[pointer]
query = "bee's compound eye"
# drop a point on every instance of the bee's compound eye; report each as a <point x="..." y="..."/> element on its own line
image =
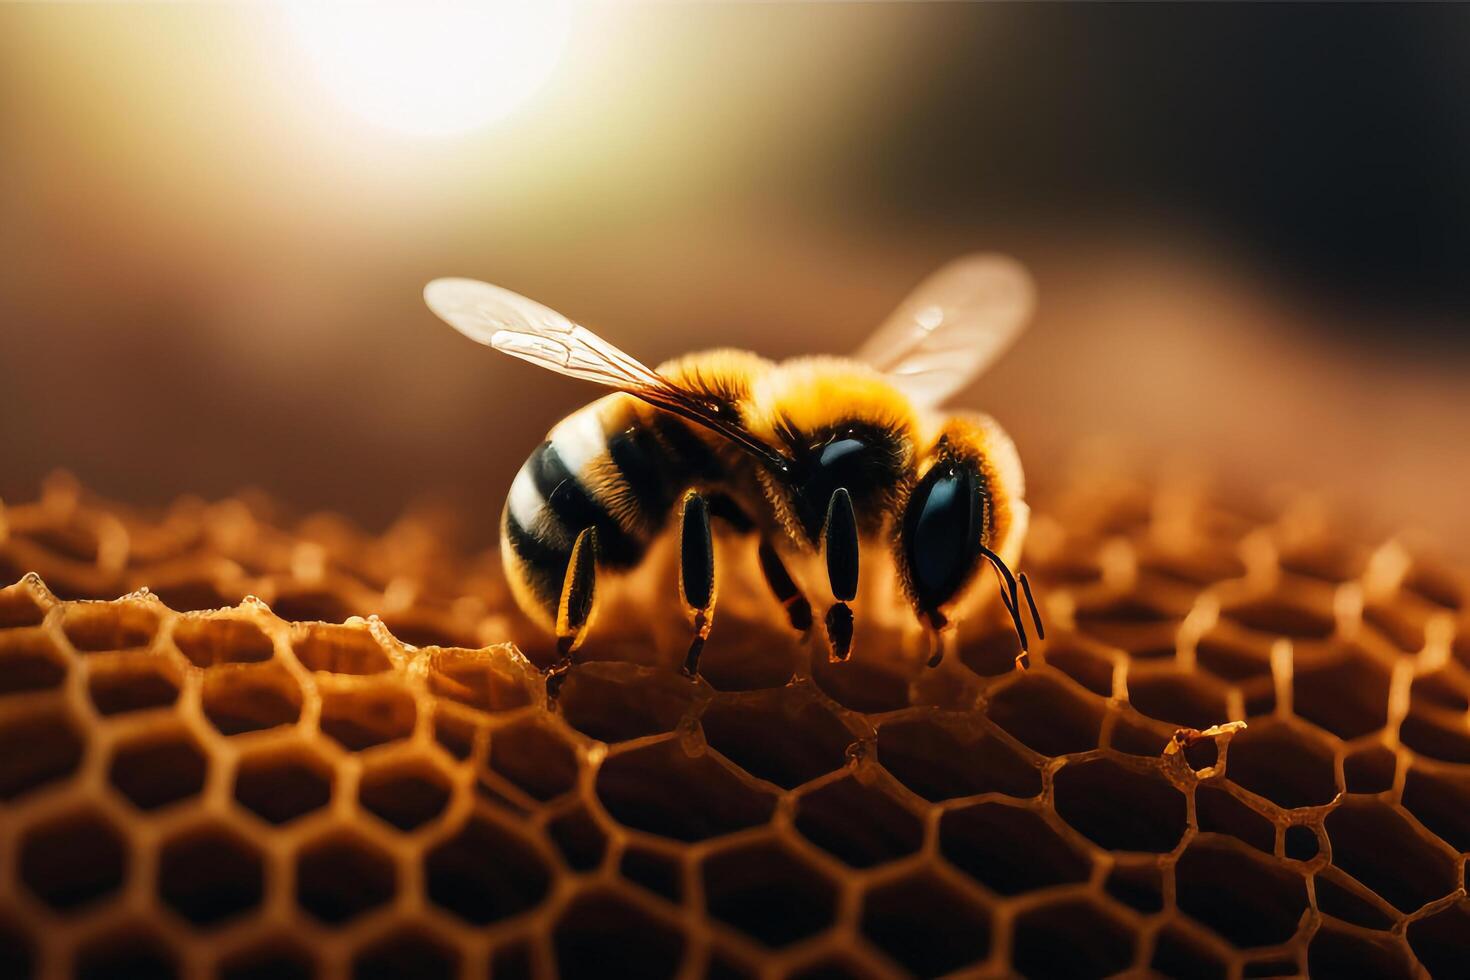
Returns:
<point x="941" y="533"/>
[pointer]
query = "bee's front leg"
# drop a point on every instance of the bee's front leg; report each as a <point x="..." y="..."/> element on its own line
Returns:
<point x="840" y="545"/>
<point x="574" y="611"/>
<point x="696" y="573"/>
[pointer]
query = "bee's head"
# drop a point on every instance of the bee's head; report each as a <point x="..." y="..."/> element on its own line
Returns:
<point x="964" y="510"/>
<point x="839" y="427"/>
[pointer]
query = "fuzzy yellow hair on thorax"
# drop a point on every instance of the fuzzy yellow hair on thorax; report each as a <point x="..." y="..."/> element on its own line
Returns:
<point x="814" y="394"/>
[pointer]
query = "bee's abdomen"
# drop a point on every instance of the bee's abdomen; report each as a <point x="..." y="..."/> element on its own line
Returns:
<point x="612" y="466"/>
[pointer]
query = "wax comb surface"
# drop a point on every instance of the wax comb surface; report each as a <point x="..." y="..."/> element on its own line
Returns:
<point x="280" y="788"/>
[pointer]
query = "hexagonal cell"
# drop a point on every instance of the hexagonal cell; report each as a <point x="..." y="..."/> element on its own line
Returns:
<point x="485" y="873"/>
<point x="1342" y="897"/>
<point x="209" y="874"/>
<point x="126" y="951"/>
<point x="1439" y="689"/>
<point x="656" y="871"/>
<point x="834" y="966"/>
<point x="1243" y="896"/>
<point x="282" y="783"/>
<point x="1438" y="940"/>
<point x="222" y="640"/>
<point x="341" y="876"/>
<point x="925" y="924"/>
<point x="1233" y="658"/>
<point x="992" y="653"/>
<point x="514" y="960"/>
<point x="362" y="716"/>
<point x="1178" y="954"/>
<point x="1281" y="616"/>
<point x="96" y="626"/>
<point x="1348" y="697"/>
<point x="1009" y="849"/>
<point x="602" y="931"/>
<point x="1403" y="629"/>
<point x="29" y="661"/>
<point x="1134" y="623"/>
<point x="861" y="684"/>
<point x="885" y="830"/>
<point x="1071" y="938"/>
<point x="73" y="859"/>
<point x="135" y="684"/>
<point x="1138" y="885"/>
<point x="406" y="793"/>
<point x="753" y="652"/>
<point x="781" y="738"/>
<point x="277" y="957"/>
<point x="1377" y="845"/>
<point x="1300" y="843"/>
<point x="1445" y="739"/>
<point x="407" y="951"/>
<point x="1441" y="802"/>
<point x="1190" y="700"/>
<point x="1370" y="770"/>
<point x="938" y="764"/>
<point x="1287" y="765"/>
<point x="485" y="679"/>
<point x="1136" y="735"/>
<point x="614" y="702"/>
<point x="158" y="768"/>
<point x="20" y="607"/>
<point x="251" y="697"/>
<point x="338" y="649"/>
<point x="534" y="756"/>
<point x="1337" y="952"/>
<point x="17" y="950"/>
<point x="456" y="733"/>
<point x="37" y="749"/>
<point x="311" y="606"/>
<point x="579" y="838"/>
<point x="1048" y="716"/>
<point x="660" y="789"/>
<point x="1120" y="808"/>
<point x="1218" y="811"/>
<point x="768" y="892"/>
<point x="1090" y="668"/>
<point x="193" y="592"/>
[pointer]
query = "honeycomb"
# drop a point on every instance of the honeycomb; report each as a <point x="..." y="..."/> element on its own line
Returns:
<point x="295" y="749"/>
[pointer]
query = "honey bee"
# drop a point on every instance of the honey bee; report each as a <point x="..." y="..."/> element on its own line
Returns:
<point x="825" y="458"/>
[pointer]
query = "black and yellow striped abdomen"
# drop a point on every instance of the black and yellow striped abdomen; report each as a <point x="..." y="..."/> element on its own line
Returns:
<point x="617" y="465"/>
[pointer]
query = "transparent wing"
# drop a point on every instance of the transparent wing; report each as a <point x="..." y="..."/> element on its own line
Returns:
<point x="523" y="328"/>
<point x="952" y="327"/>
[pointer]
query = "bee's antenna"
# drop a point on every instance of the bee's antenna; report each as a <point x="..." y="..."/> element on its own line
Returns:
<point x="1010" y="597"/>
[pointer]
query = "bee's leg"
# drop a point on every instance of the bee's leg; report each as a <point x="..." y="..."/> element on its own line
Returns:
<point x="798" y="610"/>
<point x="840" y="544"/>
<point x="696" y="572"/>
<point x="939" y="637"/>
<point x="574" y="611"/>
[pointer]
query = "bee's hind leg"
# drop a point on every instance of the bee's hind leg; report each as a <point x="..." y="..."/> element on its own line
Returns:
<point x="840" y="545"/>
<point x="696" y="572"/>
<point x="798" y="610"/>
<point x="574" y="611"/>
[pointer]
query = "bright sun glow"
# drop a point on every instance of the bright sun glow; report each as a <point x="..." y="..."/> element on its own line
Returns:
<point x="432" y="68"/>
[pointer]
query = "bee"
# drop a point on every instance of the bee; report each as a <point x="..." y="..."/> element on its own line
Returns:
<point x="824" y="458"/>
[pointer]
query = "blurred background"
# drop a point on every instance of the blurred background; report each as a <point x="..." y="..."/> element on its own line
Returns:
<point x="1250" y="227"/>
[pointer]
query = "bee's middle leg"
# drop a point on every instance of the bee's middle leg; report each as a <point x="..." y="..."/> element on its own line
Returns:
<point x="778" y="579"/>
<point x="840" y="545"/>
